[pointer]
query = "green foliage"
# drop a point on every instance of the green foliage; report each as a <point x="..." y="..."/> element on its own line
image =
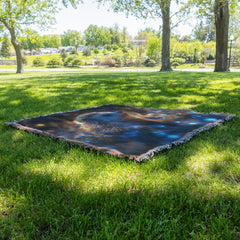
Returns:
<point x="205" y="33"/>
<point x="38" y="62"/>
<point x="115" y="35"/>
<point x="124" y="35"/>
<point x="178" y="60"/>
<point x="125" y="50"/>
<point x="71" y="38"/>
<point x="54" y="62"/>
<point x="97" y="62"/>
<point x="97" y="36"/>
<point x="140" y="51"/>
<point x="175" y="64"/>
<point x="73" y="61"/>
<point x="63" y="54"/>
<point x="17" y="14"/>
<point x="77" y="62"/>
<point x="138" y="62"/>
<point x="192" y="50"/>
<point x="109" y="62"/>
<point x="24" y="60"/>
<point x="68" y="60"/>
<point x="154" y="48"/>
<point x="150" y="62"/>
<point x="51" y="41"/>
<point x="119" y="60"/>
<point x="86" y="52"/>
<point x="5" y="49"/>
<point x="115" y="47"/>
<point x="145" y="35"/>
<point x="118" y="52"/>
<point x="105" y="51"/>
<point x="109" y="47"/>
<point x="234" y="25"/>
<point x="31" y="40"/>
<point x="74" y="51"/>
<point x="96" y="50"/>
<point x="126" y="59"/>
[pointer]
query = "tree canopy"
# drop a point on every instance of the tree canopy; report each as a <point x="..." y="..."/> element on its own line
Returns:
<point x="145" y="9"/>
<point x="97" y="36"/>
<point x="17" y="15"/>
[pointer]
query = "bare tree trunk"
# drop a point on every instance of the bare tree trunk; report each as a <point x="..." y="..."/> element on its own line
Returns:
<point x="221" y="12"/>
<point x="165" y="8"/>
<point x="17" y="48"/>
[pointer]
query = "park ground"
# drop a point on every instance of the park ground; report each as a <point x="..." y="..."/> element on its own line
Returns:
<point x="52" y="190"/>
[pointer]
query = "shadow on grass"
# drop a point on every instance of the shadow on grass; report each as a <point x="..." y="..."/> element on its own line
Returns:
<point x="43" y="206"/>
<point x="38" y="95"/>
<point x="110" y="198"/>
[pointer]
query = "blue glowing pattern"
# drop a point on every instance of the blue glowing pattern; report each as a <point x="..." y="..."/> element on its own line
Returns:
<point x="123" y="130"/>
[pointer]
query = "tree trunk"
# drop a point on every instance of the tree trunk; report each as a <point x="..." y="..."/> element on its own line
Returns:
<point x="17" y="48"/>
<point x="221" y="12"/>
<point x="165" y="8"/>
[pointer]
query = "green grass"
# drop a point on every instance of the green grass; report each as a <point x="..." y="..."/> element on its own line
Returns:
<point x="52" y="190"/>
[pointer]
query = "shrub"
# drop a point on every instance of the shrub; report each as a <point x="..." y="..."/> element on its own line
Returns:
<point x="68" y="60"/>
<point x="63" y="54"/>
<point x="138" y="62"/>
<point x="126" y="59"/>
<point x="150" y="62"/>
<point x="109" y="61"/>
<point x="74" y="51"/>
<point x="38" y="62"/>
<point x="125" y="50"/>
<point x="73" y="61"/>
<point x="118" y="52"/>
<point x="96" y="50"/>
<point x="178" y="60"/>
<point x="115" y="46"/>
<point x="203" y="59"/>
<point x="109" y="48"/>
<point x="76" y="62"/>
<point x="105" y="52"/>
<point x="119" y="60"/>
<point x="175" y="64"/>
<point x="54" y="62"/>
<point x="86" y="52"/>
<point x="97" y="62"/>
<point x="24" y="60"/>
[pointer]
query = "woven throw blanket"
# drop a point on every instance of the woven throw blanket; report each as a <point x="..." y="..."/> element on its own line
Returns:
<point x="125" y="131"/>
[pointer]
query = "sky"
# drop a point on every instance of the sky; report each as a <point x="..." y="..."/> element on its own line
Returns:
<point x="88" y="13"/>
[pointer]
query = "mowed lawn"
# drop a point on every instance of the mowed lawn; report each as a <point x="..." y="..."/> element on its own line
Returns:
<point x="53" y="190"/>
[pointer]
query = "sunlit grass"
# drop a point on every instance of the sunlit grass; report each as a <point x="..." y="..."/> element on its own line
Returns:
<point x="52" y="190"/>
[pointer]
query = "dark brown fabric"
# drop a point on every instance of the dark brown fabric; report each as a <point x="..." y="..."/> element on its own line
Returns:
<point x="137" y="133"/>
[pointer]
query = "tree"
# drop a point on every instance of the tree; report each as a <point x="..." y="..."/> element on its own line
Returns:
<point x="31" y="41"/>
<point x="15" y="15"/>
<point x="5" y="49"/>
<point x="221" y="10"/>
<point x="51" y="41"/>
<point x="234" y="25"/>
<point x="124" y="35"/>
<point x="97" y="36"/>
<point x="205" y="32"/>
<point x="144" y="9"/>
<point x="115" y="35"/>
<point x="144" y="35"/>
<point x="72" y="38"/>
<point x="154" y="48"/>
<point x="165" y="9"/>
